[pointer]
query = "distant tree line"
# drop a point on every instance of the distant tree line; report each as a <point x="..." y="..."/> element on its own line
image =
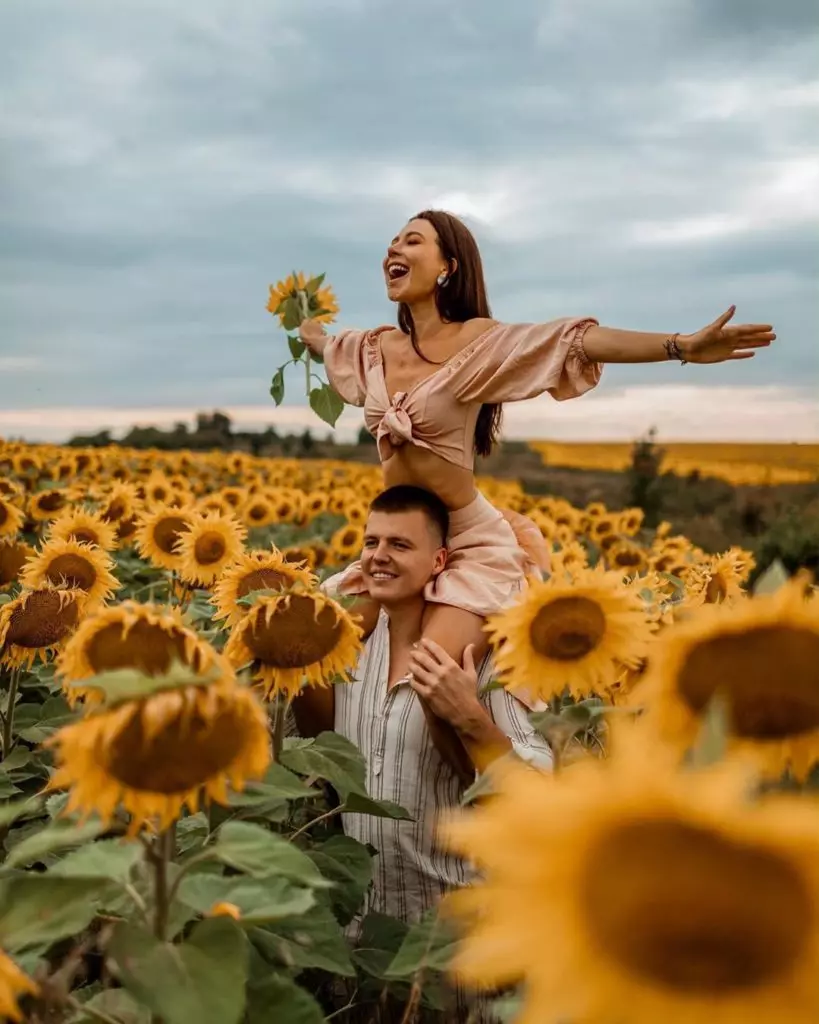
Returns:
<point x="215" y="430"/>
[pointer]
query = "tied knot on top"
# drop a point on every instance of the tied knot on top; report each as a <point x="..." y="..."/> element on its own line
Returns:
<point x="396" y="425"/>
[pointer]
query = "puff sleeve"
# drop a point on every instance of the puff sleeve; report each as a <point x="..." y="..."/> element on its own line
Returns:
<point x="346" y="358"/>
<point x="512" y="362"/>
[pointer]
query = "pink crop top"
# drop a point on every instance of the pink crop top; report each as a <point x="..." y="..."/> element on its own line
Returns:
<point x="506" y="363"/>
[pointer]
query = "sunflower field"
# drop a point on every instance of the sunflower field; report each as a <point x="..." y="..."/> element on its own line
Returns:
<point x="170" y="848"/>
<point x="738" y="464"/>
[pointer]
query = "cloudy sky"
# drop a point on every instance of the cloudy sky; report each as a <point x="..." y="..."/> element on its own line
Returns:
<point x="647" y="162"/>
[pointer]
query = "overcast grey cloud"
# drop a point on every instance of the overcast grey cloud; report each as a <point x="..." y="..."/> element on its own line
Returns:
<point x="648" y="163"/>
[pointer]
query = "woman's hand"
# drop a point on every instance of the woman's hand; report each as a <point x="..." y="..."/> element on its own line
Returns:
<point x="717" y="342"/>
<point x="313" y="335"/>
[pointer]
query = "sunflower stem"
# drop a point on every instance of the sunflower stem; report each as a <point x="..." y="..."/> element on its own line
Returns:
<point x="279" y="716"/>
<point x="8" y="722"/>
<point x="162" y="850"/>
<point x="307" y="373"/>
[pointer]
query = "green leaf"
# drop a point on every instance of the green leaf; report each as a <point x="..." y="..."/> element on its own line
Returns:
<point x="18" y="757"/>
<point x="355" y="803"/>
<point x="115" y="1003"/>
<point x="314" y="284"/>
<point x="11" y="812"/>
<point x="36" y="722"/>
<point x="258" y="852"/>
<point x="259" y="900"/>
<point x="326" y="404"/>
<point x="284" y="783"/>
<point x="39" y="908"/>
<point x="59" y="835"/>
<point x="296" y="346"/>
<point x="277" y="386"/>
<point x="712" y="740"/>
<point x="7" y="787"/>
<point x="279" y="1000"/>
<point x="290" y="313"/>
<point x="313" y="939"/>
<point x="347" y="863"/>
<point x="124" y="684"/>
<point x="428" y="945"/>
<point x="380" y="939"/>
<point x="201" y="979"/>
<point x="107" y="858"/>
<point x="772" y="579"/>
<point x="331" y="757"/>
<point x="191" y="832"/>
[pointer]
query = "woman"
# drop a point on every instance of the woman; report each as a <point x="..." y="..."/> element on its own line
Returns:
<point x="432" y="391"/>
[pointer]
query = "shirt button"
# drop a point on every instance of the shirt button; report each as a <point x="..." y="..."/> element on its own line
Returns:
<point x="378" y="763"/>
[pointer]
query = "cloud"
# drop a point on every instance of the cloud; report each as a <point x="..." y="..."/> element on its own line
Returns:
<point x="649" y="163"/>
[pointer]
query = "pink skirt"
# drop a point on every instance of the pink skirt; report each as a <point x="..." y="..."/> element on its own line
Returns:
<point x="492" y="553"/>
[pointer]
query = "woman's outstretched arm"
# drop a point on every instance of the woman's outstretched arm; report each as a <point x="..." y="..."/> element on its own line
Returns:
<point x="715" y="343"/>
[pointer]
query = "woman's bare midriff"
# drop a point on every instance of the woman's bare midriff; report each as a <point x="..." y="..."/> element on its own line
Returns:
<point x="454" y="485"/>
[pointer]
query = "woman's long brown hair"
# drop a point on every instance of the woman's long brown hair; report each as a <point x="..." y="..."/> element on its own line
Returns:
<point x="463" y="298"/>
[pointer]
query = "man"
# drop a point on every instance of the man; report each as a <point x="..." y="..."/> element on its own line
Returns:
<point x="402" y="687"/>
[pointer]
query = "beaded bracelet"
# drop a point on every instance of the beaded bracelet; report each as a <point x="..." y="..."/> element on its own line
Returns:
<point x="673" y="350"/>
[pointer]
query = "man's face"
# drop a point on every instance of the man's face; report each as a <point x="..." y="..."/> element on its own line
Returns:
<point x="401" y="554"/>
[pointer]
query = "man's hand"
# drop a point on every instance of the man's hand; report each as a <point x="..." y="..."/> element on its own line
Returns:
<point x="451" y="691"/>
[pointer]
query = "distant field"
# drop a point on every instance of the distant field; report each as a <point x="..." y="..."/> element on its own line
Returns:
<point x="736" y="463"/>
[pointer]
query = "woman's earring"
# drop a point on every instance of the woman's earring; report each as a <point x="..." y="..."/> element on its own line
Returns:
<point x="442" y="280"/>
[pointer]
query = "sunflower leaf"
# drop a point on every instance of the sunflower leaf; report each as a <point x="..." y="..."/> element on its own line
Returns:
<point x="59" y="835"/>
<point x="331" y="757"/>
<point x="713" y="736"/>
<point x="359" y="803"/>
<point x="260" y="900"/>
<point x="107" y="858"/>
<point x="38" y="908"/>
<point x="258" y="852"/>
<point x="313" y="939"/>
<point x="290" y="312"/>
<point x="775" y="576"/>
<point x="349" y="864"/>
<point x="296" y="346"/>
<point x="326" y="404"/>
<point x="201" y="979"/>
<point x="314" y="284"/>
<point x="428" y="945"/>
<point x="116" y="1003"/>
<point x="277" y="386"/>
<point x="125" y="684"/>
<point x="278" y="998"/>
<point x="36" y="722"/>
<point x="25" y="806"/>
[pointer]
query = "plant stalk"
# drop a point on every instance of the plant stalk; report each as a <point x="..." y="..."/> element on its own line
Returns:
<point x="8" y="723"/>
<point x="279" y="717"/>
<point x="162" y="904"/>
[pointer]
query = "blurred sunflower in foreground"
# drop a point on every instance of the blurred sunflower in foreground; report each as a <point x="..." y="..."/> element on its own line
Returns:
<point x="154" y="751"/>
<point x="760" y="656"/>
<point x="576" y="633"/>
<point x="13" y="984"/>
<point x="288" y="299"/>
<point x="146" y="638"/>
<point x="657" y="895"/>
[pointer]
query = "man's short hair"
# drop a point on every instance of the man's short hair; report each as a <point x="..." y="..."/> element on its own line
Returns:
<point x="406" y="498"/>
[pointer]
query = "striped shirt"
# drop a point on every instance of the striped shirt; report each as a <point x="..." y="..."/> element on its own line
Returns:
<point x="412" y="871"/>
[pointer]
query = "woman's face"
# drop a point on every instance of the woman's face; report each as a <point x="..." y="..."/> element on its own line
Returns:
<point x="413" y="263"/>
